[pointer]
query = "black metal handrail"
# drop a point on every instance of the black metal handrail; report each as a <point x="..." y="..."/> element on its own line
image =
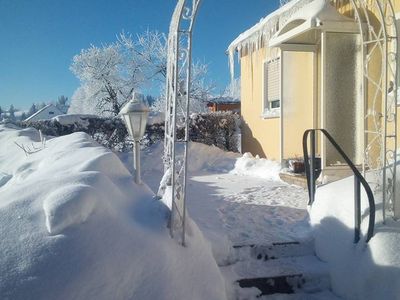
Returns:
<point x="310" y="168"/>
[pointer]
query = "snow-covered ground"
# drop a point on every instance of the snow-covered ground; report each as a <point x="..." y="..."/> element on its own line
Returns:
<point x="236" y="201"/>
<point x="73" y="225"/>
<point x="363" y="270"/>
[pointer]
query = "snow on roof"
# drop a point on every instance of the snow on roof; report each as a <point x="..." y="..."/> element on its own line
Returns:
<point x="224" y="99"/>
<point x="41" y="110"/>
<point x="319" y="13"/>
<point x="70" y="119"/>
<point x="257" y="36"/>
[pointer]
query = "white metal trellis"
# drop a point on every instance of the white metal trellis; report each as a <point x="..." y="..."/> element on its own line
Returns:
<point x="379" y="38"/>
<point x="178" y="86"/>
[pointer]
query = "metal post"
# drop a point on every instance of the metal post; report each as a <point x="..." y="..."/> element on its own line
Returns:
<point x="357" y="209"/>
<point x="187" y="112"/>
<point x="136" y="162"/>
<point x="312" y="166"/>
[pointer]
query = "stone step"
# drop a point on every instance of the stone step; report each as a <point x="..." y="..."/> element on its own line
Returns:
<point x="272" y="285"/>
<point x="274" y="251"/>
<point x="286" y="275"/>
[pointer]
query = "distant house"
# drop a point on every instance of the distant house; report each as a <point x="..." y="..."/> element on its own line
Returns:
<point x="224" y="104"/>
<point x="46" y="113"/>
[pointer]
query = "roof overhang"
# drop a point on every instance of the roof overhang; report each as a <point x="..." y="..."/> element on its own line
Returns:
<point x="317" y="15"/>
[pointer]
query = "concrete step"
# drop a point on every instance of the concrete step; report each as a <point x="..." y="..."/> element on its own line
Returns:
<point x="279" y="268"/>
<point x="274" y="251"/>
<point x="305" y="274"/>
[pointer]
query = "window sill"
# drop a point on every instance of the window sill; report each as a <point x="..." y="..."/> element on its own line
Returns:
<point x="271" y="114"/>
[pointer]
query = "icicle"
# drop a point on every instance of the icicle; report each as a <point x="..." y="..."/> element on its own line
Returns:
<point x="231" y="53"/>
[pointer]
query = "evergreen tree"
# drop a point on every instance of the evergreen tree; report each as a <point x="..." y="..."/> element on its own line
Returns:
<point x="32" y="110"/>
<point x="61" y="104"/>
<point x="11" y="112"/>
<point x="40" y="105"/>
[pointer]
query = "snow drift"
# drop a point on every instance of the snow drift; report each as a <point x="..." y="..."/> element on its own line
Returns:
<point x="73" y="225"/>
<point x="358" y="271"/>
<point x="248" y="165"/>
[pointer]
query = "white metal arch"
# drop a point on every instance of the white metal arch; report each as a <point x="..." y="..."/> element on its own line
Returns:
<point x="379" y="38"/>
<point x="178" y="88"/>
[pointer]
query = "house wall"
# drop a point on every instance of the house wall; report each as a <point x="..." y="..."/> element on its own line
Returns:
<point x="46" y="114"/>
<point x="260" y="136"/>
<point x="298" y="105"/>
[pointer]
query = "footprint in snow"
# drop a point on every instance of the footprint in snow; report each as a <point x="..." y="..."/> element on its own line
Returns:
<point x="4" y="178"/>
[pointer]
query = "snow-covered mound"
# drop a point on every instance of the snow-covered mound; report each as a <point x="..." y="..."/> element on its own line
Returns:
<point x="201" y="157"/>
<point x="257" y="167"/>
<point x="73" y="225"/>
<point x="70" y="119"/>
<point x="358" y="271"/>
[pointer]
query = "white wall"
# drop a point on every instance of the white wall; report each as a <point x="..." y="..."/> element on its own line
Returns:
<point x="46" y="114"/>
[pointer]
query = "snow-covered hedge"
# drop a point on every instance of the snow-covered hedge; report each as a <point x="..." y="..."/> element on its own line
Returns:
<point x="219" y="129"/>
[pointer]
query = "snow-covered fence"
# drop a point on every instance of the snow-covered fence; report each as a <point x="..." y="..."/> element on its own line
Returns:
<point x="219" y="129"/>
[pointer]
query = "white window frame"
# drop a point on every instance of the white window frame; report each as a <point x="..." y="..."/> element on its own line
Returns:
<point x="267" y="110"/>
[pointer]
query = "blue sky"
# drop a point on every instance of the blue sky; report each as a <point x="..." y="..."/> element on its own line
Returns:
<point x="40" y="37"/>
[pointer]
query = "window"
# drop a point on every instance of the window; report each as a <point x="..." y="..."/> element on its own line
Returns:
<point x="272" y="87"/>
<point x="51" y="112"/>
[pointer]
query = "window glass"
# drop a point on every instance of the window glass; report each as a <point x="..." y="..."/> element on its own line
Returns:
<point x="272" y="75"/>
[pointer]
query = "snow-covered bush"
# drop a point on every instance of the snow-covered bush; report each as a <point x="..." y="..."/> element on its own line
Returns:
<point x="109" y="132"/>
<point x="218" y="129"/>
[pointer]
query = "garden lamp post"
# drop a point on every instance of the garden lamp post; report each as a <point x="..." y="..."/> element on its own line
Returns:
<point x="135" y="113"/>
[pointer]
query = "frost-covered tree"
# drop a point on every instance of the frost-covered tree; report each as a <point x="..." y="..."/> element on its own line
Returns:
<point x="62" y="103"/>
<point x="151" y="50"/>
<point x="233" y="89"/>
<point x="108" y="76"/>
<point x="1" y="113"/>
<point x="11" y="113"/>
<point x="84" y="102"/>
<point x="283" y="2"/>
<point x="41" y="105"/>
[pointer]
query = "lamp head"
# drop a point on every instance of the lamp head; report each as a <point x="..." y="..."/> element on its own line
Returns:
<point x="135" y="114"/>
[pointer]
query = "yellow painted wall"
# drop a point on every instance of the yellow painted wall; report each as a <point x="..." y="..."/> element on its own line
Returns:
<point x="259" y="136"/>
<point x="298" y="100"/>
<point x="262" y="136"/>
<point x="396" y="4"/>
